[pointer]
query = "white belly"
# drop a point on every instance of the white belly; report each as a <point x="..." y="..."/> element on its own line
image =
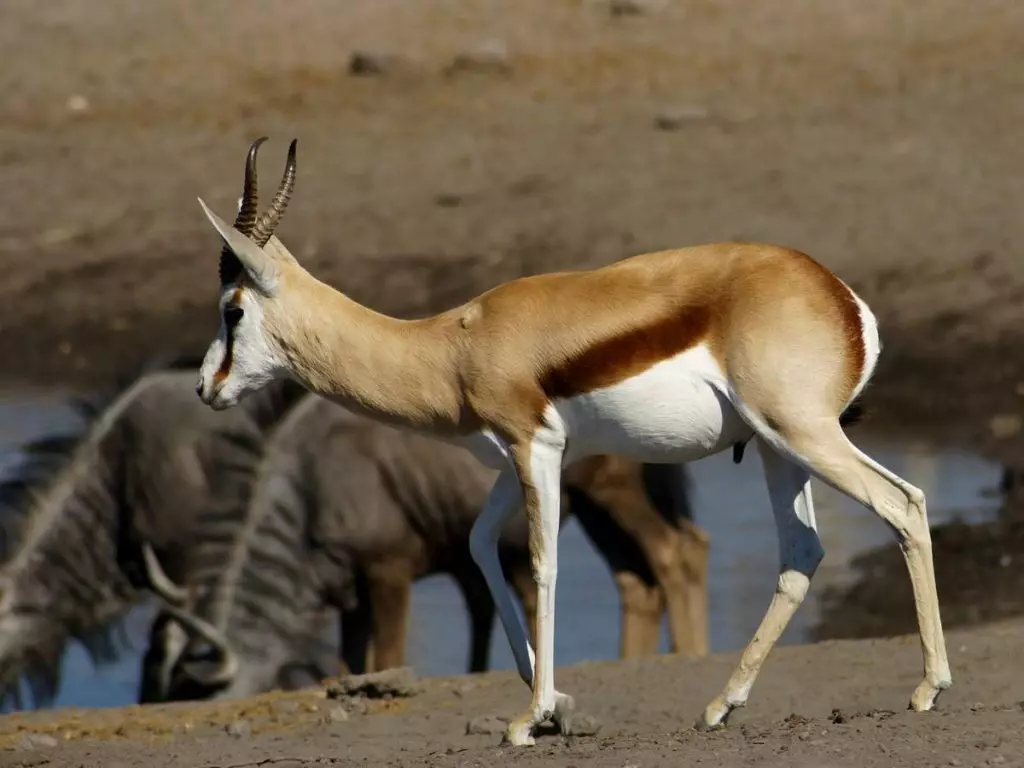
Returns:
<point x="674" y="412"/>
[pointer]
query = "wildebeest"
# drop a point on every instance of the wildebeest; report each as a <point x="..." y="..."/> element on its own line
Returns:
<point x="79" y="506"/>
<point x="348" y="512"/>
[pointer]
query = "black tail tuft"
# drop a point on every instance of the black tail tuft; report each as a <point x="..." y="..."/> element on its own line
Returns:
<point x="852" y="415"/>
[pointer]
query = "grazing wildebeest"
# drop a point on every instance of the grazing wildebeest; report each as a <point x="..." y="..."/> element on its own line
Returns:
<point x="349" y="512"/>
<point x="78" y="508"/>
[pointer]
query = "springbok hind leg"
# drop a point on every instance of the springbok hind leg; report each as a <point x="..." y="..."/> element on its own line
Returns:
<point x="800" y="552"/>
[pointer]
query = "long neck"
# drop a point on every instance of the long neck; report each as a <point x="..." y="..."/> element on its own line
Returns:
<point x="403" y="372"/>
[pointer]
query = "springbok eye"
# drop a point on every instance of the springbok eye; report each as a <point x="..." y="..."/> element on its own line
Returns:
<point x="232" y="316"/>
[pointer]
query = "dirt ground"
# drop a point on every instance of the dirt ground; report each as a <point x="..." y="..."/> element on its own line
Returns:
<point x="836" y="703"/>
<point x="505" y="138"/>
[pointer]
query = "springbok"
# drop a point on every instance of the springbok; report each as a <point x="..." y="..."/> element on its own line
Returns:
<point x="667" y="357"/>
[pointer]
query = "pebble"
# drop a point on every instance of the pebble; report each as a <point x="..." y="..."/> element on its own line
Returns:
<point x="239" y="728"/>
<point x="36" y="741"/>
<point x="337" y="715"/>
<point x="674" y="119"/>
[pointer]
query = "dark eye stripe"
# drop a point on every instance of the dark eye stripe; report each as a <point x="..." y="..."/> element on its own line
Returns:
<point x="232" y="316"/>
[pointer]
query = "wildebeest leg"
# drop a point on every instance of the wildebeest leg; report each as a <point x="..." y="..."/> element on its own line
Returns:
<point x="642" y="607"/>
<point x="480" y="606"/>
<point x="357" y="630"/>
<point x="390" y="583"/>
<point x="676" y="554"/>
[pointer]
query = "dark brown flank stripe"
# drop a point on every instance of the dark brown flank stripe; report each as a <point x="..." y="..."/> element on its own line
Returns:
<point x="621" y="357"/>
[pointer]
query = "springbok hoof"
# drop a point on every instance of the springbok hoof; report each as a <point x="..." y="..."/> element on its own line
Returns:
<point x="926" y="694"/>
<point x="715" y="716"/>
<point x="519" y="733"/>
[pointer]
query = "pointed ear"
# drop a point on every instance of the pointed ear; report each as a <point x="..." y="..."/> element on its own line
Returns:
<point x="258" y="266"/>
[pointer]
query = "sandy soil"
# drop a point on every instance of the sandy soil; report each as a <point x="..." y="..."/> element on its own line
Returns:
<point x="883" y="138"/>
<point x="837" y="703"/>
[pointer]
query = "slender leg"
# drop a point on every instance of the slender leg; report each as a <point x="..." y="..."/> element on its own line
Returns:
<point x="480" y="607"/>
<point x="356" y="631"/>
<point x="539" y="466"/>
<point x="800" y="552"/>
<point x="640" y="501"/>
<point x="521" y="579"/>
<point x="390" y="591"/>
<point x="504" y="500"/>
<point x="642" y="607"/>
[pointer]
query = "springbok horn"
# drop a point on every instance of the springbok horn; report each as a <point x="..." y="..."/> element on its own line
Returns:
<point x="159" y="581"/>
<point x="267" y="223"/>
<point x="246" y="217"/>
<point x="228" y="667"/>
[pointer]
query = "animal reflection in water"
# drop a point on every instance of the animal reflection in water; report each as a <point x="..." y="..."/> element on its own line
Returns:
<point x="347" y="512"/>
<point x="154" y="475"/>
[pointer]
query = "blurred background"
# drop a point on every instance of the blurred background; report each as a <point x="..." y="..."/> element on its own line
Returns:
<point x="445" y="146"/>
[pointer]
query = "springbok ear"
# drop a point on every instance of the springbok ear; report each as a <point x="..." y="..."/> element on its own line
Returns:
<point x="258" y="266"/>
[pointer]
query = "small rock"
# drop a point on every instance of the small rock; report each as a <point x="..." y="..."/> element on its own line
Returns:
<point x="285" y="707"/>
<point x="1005" y="425"/>
<point x="584" y="725"/>
<point x="953" y="761"/>
<point x="77" y="103"/>
<point x="238" y="729"/>
<point x="36" y="741"/>
<point x="838" y="717"/>
<point x="486" y="725"/>
<point x="1005" y="561"/>
<point x="365" y="64"/>
<point x="628" y="7"/>
<point x="674" y="119"/>
<point x="490" y="56"/>
<point x="337" y="715"/>
<point x="400" y="682"/>
<point x="996" y="760"/>
<point x="448" y="200"/>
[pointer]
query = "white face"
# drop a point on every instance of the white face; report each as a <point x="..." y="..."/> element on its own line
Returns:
<point x="241" y="360"/>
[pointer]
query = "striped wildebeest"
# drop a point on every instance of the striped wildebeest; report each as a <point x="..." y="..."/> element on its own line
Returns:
<point x="348" y="512"/>
<point x="81" y="503"/>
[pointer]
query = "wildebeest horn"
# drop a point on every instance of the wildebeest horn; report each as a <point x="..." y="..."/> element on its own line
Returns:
<point x="159" y="581"/>
<point x="6" y="593"/>
<point x="230" y="267"/>
<point x="228" y="667"/>
<point x="268" y="222"/>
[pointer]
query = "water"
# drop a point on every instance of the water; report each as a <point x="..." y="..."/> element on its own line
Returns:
<point x="730" y="502"/>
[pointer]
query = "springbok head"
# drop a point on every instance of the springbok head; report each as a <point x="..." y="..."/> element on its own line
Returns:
<point x="255" y="306"/>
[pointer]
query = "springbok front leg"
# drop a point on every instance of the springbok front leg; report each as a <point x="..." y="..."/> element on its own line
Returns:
<point x="539" y="467"/>
<point x="800" y="552"/>
<point x="504" y="500"/>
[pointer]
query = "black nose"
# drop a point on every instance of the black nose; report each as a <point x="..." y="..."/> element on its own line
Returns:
<point x="199" y="388"/>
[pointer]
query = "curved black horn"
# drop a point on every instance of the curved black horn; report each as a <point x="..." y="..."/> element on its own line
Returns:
<point x="267" y="223"/>
<point x="246" y="217"/>
<point x="230" y="266"/>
